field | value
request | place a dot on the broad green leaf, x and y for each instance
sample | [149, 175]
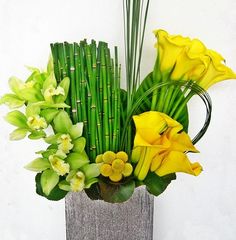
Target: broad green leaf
[17, 119]
[76, 130]
[12, 101]
[18, 134]
[77, 160]
[65, 84]
[79, 144]
[37, 135]
[49, 114]
[62, 122]
[116, 193]
[38, 165]
[91, 170]
[156, 184]
[49, 179]
[55, 195]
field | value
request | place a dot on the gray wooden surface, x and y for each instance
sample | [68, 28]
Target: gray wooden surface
[97, 220]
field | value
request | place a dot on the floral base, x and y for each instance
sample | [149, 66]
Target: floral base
[87, 219]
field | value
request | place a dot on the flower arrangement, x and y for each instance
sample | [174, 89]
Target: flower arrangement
[101, 138]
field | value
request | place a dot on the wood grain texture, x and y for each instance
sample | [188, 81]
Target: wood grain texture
[98, 220]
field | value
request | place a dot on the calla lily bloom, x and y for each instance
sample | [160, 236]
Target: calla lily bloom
[161, 146]
[188, 59]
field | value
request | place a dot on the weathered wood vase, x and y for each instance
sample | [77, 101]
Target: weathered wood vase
[98, 220]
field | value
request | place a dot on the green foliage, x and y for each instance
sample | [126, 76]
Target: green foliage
[157, 185]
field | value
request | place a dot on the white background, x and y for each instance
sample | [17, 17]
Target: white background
[202, 208]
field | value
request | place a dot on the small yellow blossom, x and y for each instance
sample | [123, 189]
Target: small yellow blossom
[77, 182]
[65, 144]
[36, 122]
[114, 165]
[59, 165]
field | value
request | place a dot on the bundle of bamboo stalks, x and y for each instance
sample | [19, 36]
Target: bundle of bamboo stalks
[94, 92]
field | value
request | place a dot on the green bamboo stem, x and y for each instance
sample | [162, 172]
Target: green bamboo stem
[91, 106]
[73, 83]
[54, 50]
[109, 93]
[77, 81]
[83, 87]
[105, 101]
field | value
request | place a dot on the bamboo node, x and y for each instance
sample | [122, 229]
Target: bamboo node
[72, 68]
[78, 101]
[74, 110]
[93, 106]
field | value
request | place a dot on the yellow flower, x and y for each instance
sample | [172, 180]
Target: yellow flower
[169, 48]
[217, 71]
[188, 59]
[77, 182]
[65, 144]
[162, 152]
[59, 165]
[114, 166]
[36, 122]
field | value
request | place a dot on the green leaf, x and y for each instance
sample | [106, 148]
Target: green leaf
[76, 130]
[49, 114]
[62, 122]
[38, 165]
[37, 135]
[77, 160]
[65, 84]
[17, 119]
[18, 134]
[49, 179]
[56, 193]
[12, 101]
[79, 144]
[91, 170]
[116, 192]
[156, 184]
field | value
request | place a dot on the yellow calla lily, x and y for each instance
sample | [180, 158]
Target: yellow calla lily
[217, 71]
[188, 59]
[169, 48]
[162, 152]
